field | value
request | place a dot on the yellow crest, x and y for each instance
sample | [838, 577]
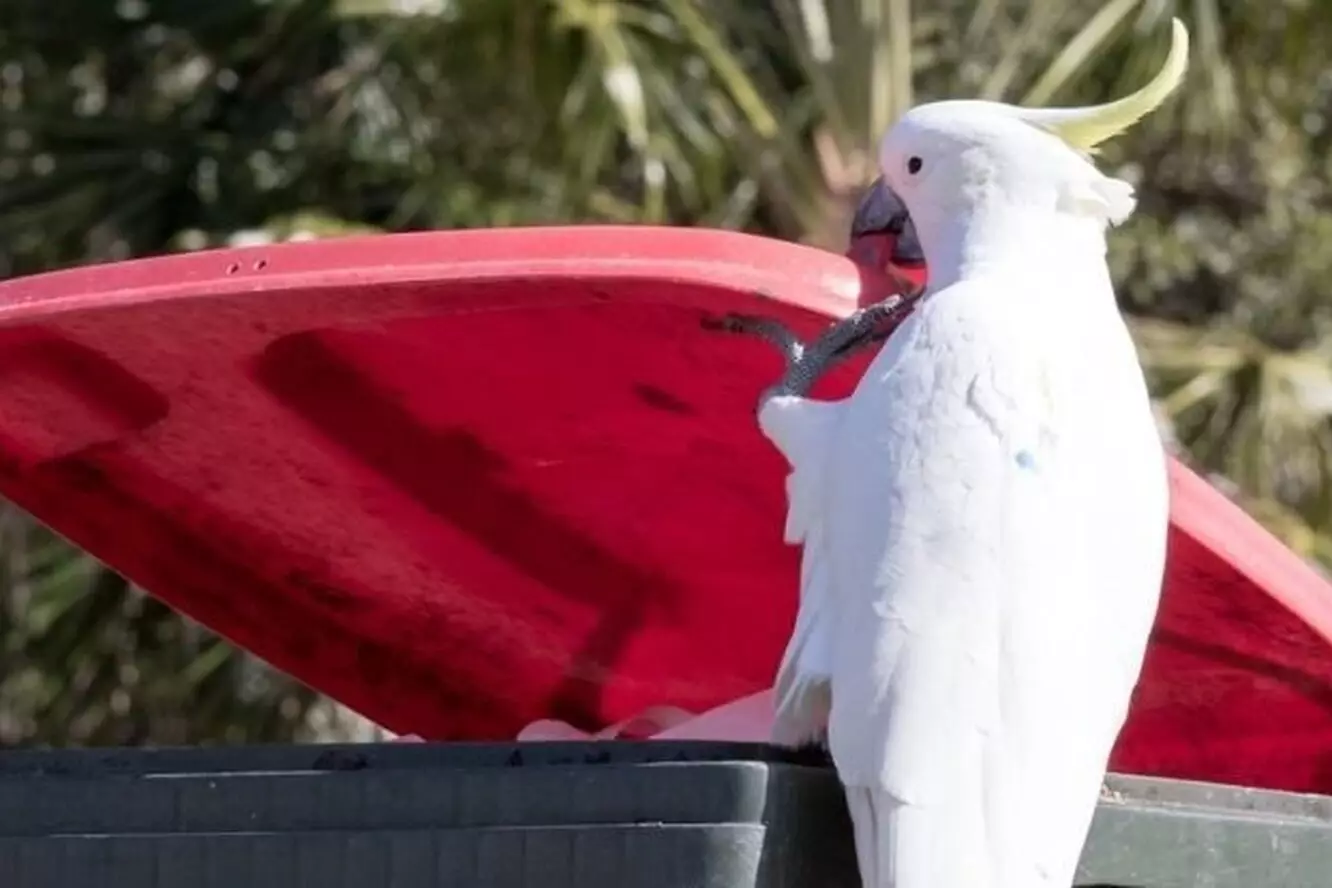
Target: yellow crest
[1085, 128]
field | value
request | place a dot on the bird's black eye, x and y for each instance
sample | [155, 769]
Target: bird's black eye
[914, 164]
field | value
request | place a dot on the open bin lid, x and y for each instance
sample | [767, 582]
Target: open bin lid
[462, 481]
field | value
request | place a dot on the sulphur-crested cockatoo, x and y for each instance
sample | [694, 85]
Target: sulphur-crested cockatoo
[984, 519]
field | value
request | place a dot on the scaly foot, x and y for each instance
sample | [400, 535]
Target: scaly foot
[806, 364]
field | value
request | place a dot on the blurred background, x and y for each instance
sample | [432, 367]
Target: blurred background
[138, 127]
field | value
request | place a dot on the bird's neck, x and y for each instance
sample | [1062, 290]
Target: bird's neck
[1014, 242]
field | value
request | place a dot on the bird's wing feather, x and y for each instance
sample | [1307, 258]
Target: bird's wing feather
[805, 432]
[802, 430]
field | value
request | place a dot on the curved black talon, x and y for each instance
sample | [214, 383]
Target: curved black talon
[767, 329]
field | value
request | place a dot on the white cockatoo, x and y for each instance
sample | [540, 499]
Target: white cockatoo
[984, 519]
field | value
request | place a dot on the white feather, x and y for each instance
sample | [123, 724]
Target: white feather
[995, 539]
[802, 430]
[983, 521]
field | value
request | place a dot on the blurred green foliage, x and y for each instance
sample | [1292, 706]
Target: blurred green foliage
[134, 127]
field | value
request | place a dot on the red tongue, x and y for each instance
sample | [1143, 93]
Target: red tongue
[876, 251]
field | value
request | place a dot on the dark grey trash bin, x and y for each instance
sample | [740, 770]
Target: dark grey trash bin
[560, 815]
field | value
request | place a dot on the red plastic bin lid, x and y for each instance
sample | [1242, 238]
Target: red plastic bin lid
[462, 481]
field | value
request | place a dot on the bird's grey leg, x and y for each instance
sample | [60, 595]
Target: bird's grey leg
[807, 363]
[854, 332]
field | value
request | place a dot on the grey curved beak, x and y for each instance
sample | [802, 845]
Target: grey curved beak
[881, 211]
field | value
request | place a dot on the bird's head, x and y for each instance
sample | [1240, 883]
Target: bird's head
[945, 162]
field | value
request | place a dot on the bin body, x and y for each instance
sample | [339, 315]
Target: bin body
[557, 815]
